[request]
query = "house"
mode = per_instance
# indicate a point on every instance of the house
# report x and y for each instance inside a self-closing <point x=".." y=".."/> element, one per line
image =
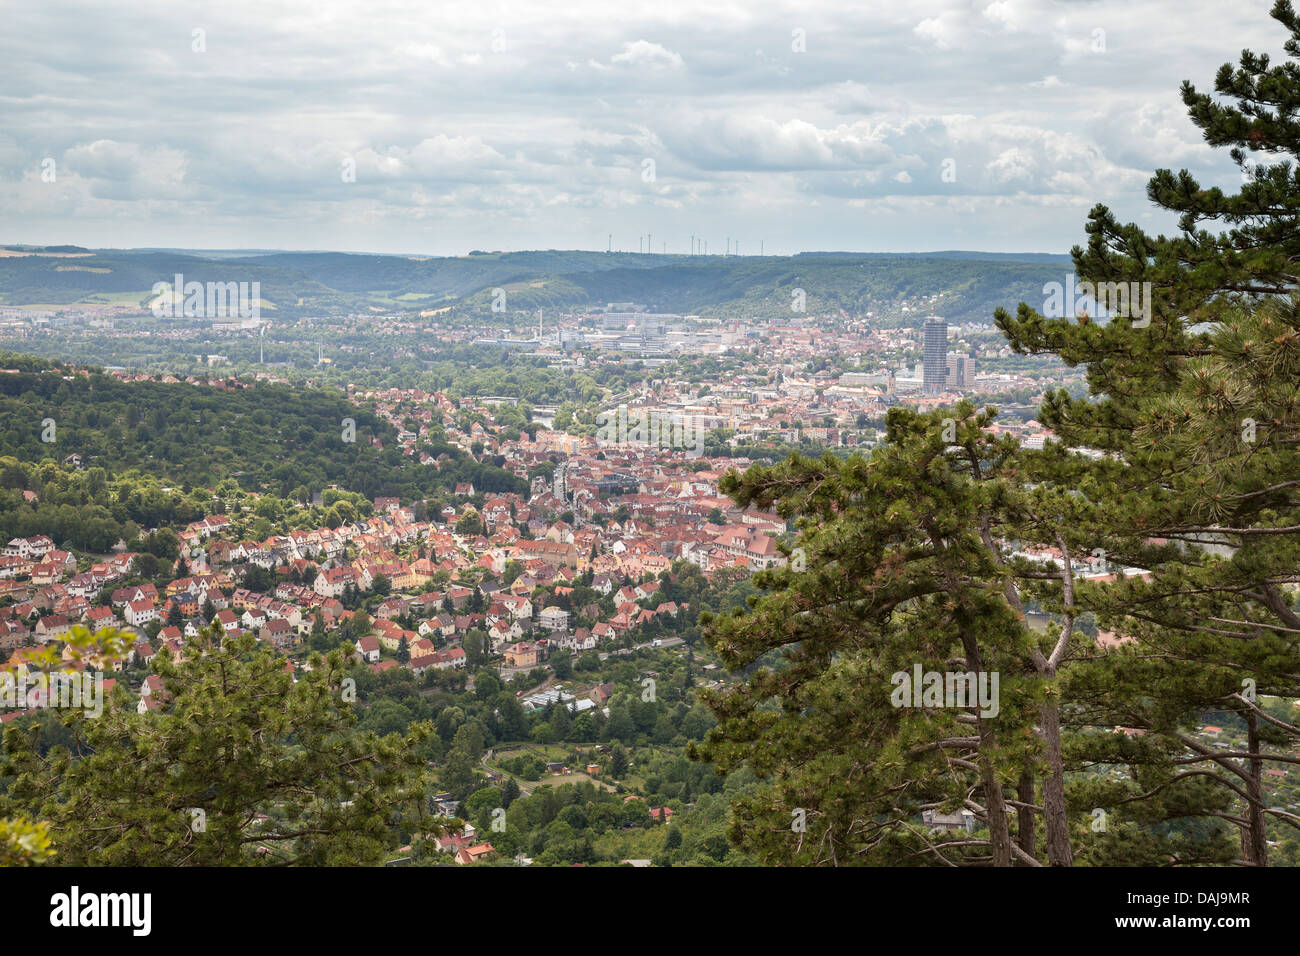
<point x="331" y="582"/>
<point x="553" y="553"/>
<point x="254" y="618"/>
<point x="519" y="608"/>
<point x="453" y="657"/>
<point x="368" y="648"/>
<point x="453" y="842"/>
<point x="33" y="548"/>
<point x="49" y="628"/>
<point x="279" y="633"/>
<point x="143" y="592"/>
<point x="152" y="695"/>
<point x="391" y="634"/>
<point x="419" y="663"/>
<point x="46" y="572"/>
<point x="473" y="854"/>
<point x="139" y="613"/>
<point x="98" y="617"/>
<point x="393" y="608"/>
<point x="553" y="618"/>
<point x="141" y="652"/>
<point x="441" y="625"/>
<point x="523" y="654"/>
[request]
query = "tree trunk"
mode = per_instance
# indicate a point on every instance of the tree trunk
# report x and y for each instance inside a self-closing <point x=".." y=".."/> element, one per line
<point x="994" y="802"/>
<point x="1254" y="841"/>
<point x="1025" y="834"/>
<point x="1054" y="812"/>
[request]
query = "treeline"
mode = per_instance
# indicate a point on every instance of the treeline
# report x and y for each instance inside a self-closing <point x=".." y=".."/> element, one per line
<point x="268" y="437"/>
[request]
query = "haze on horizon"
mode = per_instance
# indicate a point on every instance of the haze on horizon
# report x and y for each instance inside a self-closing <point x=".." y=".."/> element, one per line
<point x="990" y="125"/>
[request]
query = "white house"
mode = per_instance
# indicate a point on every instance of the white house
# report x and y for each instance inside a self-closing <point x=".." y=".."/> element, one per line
<point x="140" y="613"/>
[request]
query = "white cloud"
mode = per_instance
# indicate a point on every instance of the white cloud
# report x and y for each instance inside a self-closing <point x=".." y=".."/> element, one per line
<point x="940" y="31"/>
<point x="1003" y="13"/>
<point x="645" y="53"/>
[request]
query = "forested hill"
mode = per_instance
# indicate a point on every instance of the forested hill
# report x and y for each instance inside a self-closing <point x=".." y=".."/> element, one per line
<point x="268" y="437"/>
<point x="298" y="283"/>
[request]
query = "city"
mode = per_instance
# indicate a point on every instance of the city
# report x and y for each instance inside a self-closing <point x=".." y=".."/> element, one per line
<point x="369" y="499"/>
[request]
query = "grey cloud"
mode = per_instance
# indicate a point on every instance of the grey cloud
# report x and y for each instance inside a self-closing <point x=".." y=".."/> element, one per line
<point x="541" y="135"/>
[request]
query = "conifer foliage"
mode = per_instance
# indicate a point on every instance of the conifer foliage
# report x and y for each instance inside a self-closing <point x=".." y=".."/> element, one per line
<point x="1178" y="470"/>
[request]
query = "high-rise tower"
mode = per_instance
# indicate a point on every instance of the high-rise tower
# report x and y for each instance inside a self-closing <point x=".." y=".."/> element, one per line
<point x="935" y="356"/>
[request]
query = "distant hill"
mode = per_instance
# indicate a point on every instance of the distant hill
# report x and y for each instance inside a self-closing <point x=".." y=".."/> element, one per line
<point x="973" y="284"/>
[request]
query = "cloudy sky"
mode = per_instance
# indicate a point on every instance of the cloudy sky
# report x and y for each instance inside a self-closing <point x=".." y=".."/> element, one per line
<point x="437" y="128"/>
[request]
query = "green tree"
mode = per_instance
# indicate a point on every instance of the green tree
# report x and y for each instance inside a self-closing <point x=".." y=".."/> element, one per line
<point x="1191" y="405"/>
<point x="236" y="738"/>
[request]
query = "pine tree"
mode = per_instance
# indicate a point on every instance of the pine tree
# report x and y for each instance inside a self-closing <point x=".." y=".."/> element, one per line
<point x="241" y="765"/>
<point x="901" y="570"/>
<point x="1197" y="423"/>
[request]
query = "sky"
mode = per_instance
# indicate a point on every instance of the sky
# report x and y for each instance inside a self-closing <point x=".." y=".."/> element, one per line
<point x="431" y="128"/>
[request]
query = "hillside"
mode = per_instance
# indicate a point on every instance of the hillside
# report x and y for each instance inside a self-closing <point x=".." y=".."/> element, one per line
<point x="268" y="437"/>
<point x="298" y="283"/>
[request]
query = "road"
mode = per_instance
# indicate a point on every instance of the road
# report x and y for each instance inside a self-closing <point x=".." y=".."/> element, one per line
<point x="663" y="642"/>
<point x="523" y="789"/>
